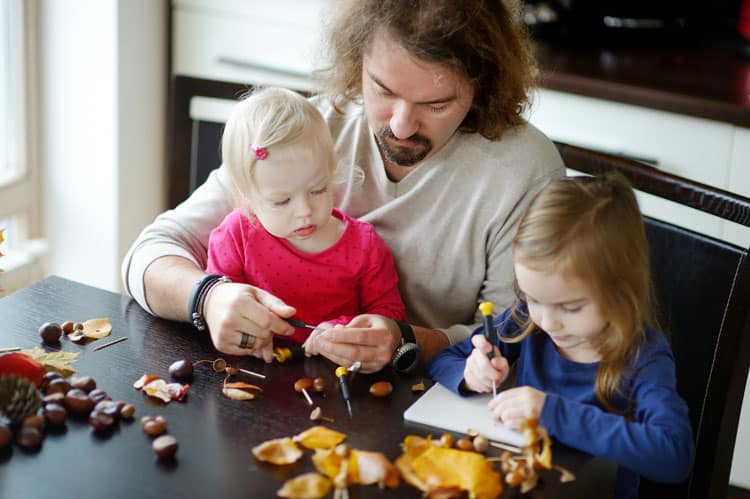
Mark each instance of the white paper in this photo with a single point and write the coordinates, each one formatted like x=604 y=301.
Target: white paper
x=443 y=409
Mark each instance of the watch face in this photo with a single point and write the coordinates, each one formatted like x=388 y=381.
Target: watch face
x=408 y=358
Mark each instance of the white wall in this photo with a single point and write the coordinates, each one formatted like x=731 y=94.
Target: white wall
x=103 y=102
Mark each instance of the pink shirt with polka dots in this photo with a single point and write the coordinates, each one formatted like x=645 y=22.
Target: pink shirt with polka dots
x=354 y=276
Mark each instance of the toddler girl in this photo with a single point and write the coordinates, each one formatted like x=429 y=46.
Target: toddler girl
x=284 y=235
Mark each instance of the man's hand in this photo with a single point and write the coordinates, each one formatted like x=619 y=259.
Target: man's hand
x=232 y=309
x=481 y=371
x=370 y=339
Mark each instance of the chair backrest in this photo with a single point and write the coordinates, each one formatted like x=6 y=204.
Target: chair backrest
x=194 y=140
x=194 y=143
x=703 y=292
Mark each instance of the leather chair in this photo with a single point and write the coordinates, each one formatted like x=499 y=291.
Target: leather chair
x=703 y=291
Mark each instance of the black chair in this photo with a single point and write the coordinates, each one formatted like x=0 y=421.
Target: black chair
x=703 y=291
x=194 y=142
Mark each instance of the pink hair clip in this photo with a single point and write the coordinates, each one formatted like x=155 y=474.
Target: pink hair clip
x=260 y=152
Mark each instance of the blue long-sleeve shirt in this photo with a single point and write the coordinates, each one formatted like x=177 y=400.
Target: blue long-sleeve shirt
x=655 y=442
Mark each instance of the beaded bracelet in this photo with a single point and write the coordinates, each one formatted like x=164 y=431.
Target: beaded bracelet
x=198 y=298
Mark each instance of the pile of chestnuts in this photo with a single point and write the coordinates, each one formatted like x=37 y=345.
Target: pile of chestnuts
x=62 y=398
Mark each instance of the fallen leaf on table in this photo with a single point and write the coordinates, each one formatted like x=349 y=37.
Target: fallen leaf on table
x=97 y=328
x=241 y=385
x=434 y=469
x=362 y=467
x=159 y=389
x=278 y=451
x=319 y=437
x=308 y=486
x=53 y=361
x=237 y=394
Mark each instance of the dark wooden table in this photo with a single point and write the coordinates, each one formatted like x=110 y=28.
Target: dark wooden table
x=215 y=434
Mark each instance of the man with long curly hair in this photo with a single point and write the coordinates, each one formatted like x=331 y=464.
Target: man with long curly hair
x=425 y=98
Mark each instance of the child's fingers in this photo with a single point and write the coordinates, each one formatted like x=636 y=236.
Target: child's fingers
x=480 y=343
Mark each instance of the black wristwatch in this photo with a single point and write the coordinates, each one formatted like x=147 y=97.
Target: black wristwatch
x=406 y=357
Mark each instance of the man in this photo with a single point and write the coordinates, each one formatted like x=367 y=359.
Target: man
x=424 y=97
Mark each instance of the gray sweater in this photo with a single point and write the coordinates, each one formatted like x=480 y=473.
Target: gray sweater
x=449 y=223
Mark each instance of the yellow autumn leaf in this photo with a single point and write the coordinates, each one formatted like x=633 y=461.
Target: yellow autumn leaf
x=97 y=328
x=278 y=451
x=237 y=394
x=308 y=486
x=53 y=361
x=319 y=437
x=448 y=468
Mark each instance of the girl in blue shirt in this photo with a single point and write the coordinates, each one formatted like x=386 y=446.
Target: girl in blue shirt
x=592 y=366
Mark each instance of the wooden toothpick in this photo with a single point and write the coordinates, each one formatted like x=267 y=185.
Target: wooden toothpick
x=10 y=349
x=118 y=340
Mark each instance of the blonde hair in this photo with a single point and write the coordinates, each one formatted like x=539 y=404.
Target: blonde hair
x=592 y=228
x=275 y=119
x=482 y=41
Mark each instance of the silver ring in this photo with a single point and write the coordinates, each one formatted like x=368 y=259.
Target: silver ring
x=248 y=340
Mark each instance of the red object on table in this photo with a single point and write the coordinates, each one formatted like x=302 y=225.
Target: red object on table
x=21 y=365
x=743 y=25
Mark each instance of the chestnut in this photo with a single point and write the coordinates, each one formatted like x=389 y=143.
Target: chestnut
x=6 y=436
x=319 y=385
x=101 y=421
x=97 y=395
x=181 y=369
x=381 y=389
x=48 y=377
x=55 y=414
x=85 y=383
x=58 y=385
x=108 y=407
x=50 y=332
x=35 y=421
x=29 y=438
x=127 y=411
x=78 y=402
x=165 y=446
x=155 y=427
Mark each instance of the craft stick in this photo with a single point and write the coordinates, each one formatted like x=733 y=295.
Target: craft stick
x=507 y=447
x=10 y=349
x=252 y=373
x=118 y=340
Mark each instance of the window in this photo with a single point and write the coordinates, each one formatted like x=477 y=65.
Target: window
x=20 y=210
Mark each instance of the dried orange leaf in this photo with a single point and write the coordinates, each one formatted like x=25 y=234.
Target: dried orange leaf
x=361 y=467
x=144 y=380
x=241 y=385
x=237 y=394
x=438 y=467
x=97 y=328
x=308 y=486
x=374 y=467
x=278 y=451
x=319 y=437
x=158 y=389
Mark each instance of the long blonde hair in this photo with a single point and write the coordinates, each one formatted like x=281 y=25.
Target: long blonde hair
x=592 y=228
x=272 y=118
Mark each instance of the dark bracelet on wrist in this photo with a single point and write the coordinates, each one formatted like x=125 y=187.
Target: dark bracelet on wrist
x=198 y=298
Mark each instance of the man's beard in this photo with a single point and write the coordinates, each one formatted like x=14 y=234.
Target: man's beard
x=402 y=156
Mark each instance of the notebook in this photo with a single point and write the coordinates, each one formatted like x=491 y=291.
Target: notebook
x=441 y=408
